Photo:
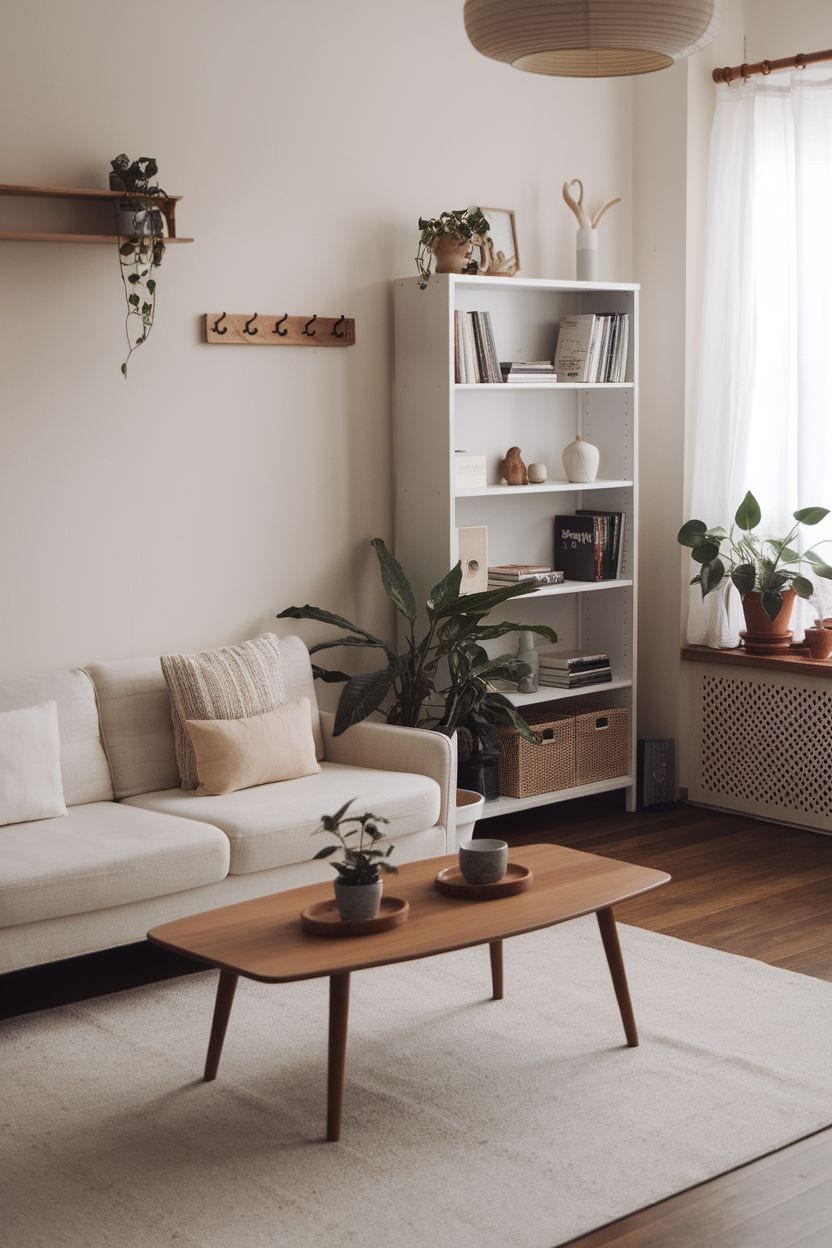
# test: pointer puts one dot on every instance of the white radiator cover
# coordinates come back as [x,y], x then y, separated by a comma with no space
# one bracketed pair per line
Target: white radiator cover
[761,743]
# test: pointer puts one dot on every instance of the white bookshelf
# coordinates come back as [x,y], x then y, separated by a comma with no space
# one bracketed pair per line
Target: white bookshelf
[434,416]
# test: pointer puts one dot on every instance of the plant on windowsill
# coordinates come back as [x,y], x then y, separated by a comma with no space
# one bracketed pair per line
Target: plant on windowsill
[359,884]
[140,228]
[766,571]
[449,240]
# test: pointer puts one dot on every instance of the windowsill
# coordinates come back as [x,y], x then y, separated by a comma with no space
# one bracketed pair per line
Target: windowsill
[798,664]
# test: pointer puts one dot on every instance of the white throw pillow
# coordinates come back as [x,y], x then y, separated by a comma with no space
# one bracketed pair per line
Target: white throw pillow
[30,765]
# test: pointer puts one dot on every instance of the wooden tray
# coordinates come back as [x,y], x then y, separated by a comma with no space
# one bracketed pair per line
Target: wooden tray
[451,881]
[324,919]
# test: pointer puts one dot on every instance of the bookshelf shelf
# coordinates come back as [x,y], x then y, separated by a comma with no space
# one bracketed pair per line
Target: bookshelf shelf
[512,387]
[434,418]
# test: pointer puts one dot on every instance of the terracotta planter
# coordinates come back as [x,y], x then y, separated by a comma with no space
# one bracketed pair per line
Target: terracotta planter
[762,635]
[819,641]
[451,254]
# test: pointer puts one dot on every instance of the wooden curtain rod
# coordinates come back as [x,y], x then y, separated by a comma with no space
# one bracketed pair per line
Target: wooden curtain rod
[799,61]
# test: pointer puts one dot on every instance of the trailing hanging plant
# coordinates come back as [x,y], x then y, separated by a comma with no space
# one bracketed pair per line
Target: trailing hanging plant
[463,224]
[140,246]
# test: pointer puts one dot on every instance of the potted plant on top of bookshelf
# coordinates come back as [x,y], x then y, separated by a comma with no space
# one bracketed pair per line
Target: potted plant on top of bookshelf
[766,571]
[141,230]
[449,240]
[409,688]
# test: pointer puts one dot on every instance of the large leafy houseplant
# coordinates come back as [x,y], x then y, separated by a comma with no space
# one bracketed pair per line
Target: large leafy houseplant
[140,244]
[441,680]
[766,566]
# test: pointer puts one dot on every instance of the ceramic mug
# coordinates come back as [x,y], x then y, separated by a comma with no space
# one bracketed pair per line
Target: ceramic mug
[483,861]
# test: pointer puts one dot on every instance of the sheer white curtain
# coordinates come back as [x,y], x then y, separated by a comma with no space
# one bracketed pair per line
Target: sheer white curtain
[763,418]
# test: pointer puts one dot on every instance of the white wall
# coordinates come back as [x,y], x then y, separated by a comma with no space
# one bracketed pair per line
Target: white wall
[184,508]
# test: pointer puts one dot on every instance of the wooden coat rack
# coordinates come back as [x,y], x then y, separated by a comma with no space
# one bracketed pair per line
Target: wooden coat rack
[275,330]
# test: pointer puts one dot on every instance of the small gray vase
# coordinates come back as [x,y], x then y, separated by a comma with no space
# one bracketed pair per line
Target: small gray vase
[358,901]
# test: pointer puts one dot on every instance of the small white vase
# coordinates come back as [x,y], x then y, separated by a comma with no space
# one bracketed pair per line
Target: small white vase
[581,460]
[358,901]
[537,474]
[586,263]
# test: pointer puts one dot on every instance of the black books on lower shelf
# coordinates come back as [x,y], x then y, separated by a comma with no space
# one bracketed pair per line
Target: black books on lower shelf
[475,354]
[573,669]
[588,545]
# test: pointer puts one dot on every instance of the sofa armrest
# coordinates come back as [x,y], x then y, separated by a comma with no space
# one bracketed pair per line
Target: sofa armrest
[391,748]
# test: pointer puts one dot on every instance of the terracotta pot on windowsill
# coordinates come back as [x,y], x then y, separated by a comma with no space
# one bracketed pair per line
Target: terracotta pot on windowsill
[819,641]
[763,635]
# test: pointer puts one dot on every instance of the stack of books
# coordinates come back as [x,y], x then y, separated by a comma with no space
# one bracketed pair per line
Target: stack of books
[589,545]
[523,574]
[475,355]
[573,669]
[593,348]
[525,372]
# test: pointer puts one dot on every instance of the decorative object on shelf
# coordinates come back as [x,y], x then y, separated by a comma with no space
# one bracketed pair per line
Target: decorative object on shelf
[483,861]
[526,652]
[516,879]
[587,237]
[766,571]
[472,548]
[499,253]
[590,38]
[277,329]
[408,684]
[470,471]
[581,460]
[140,227]
[537,474]
[469,804]
[512,469]
[449,240]
[359,885]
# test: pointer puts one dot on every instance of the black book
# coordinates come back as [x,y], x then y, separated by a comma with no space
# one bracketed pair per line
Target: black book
[578,547]
[614,531]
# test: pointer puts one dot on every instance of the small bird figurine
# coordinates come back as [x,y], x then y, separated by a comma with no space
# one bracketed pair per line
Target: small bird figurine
[512,469]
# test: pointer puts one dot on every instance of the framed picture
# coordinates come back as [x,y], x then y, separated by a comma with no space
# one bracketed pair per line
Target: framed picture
[501,256]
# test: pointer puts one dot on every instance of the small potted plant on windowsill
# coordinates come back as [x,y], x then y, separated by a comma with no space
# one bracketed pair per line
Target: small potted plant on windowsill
[359,885]
[766,571]
[819,635]
[449,240]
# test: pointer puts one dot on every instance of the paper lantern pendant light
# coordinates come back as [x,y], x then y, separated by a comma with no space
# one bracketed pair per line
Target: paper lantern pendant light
[590,38]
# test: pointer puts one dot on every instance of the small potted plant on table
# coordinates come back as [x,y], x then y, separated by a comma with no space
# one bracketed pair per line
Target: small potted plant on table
[359,885]
[766,571]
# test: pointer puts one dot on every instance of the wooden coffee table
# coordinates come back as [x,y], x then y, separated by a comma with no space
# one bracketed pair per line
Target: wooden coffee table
[263,939]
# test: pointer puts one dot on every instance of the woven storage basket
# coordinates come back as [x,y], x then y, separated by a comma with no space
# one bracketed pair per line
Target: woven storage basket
[602,743]
[527,770]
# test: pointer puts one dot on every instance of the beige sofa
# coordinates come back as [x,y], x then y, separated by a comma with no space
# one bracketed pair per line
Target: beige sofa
[135,849]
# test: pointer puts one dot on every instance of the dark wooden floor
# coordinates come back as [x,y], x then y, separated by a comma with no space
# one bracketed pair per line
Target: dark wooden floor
[740,885]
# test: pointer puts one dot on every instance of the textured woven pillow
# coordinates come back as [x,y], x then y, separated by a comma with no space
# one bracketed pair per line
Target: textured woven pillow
[232,682]
[30,765]
[234,754]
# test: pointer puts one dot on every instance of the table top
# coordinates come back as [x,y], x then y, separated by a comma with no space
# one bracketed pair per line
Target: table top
[263,938]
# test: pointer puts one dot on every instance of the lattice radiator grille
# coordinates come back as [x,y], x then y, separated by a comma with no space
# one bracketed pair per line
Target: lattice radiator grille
[763,744]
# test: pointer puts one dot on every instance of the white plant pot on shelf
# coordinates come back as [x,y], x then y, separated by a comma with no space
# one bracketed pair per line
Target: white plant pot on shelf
[468,810]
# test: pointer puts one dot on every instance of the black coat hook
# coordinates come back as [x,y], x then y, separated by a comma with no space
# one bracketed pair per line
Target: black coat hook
[277,324]
[335,333]
[247,327]
[215,328]
[310,333]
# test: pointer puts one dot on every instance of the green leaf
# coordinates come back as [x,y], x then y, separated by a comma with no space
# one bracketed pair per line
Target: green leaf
[772,602]
[339,814]
[126,249]
[802,586]
[396,585]
[326,852]
[480,604]
[712,573]
[337,621]
[705,552]
[447,590]
[124,370]
[132,278]
[691,533]
[134,300]
[821,568]
[361,696]
[151,284]
[748,513]
[744,577]
[811,515]
[489,632]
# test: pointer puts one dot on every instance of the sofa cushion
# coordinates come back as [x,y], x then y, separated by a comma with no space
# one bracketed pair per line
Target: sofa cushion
[84,771]
[272,825]
[100,855]
[136,723]
[30,765]
[234,754]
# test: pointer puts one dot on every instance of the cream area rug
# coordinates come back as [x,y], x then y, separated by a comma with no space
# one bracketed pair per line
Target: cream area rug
[467,1123]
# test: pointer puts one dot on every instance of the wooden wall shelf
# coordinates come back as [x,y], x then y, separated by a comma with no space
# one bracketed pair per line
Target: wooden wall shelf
[167,204]
[796,664]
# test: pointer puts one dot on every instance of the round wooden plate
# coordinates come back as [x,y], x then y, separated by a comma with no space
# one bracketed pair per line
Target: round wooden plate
[451,881]
[324,918]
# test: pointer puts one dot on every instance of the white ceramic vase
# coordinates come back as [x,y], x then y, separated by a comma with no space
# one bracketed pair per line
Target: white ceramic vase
[358,901]
[537,474]
[586,262]
[581,460]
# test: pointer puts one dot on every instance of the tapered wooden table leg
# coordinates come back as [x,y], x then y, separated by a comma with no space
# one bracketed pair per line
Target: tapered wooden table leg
[222,1009]
[609,935]
[496,950]
[339,1007]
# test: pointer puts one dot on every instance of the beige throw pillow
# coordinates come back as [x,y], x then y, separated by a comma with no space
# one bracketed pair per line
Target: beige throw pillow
[233,682]
[30,765]
[236,754]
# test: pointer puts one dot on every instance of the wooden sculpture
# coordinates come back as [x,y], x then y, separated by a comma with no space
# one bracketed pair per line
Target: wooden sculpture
[512,469]
[577,205]
[494,263]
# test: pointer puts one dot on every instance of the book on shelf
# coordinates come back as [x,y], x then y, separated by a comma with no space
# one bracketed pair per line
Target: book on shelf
[475,352]
[575,680]
[528,372]
[585,546]
[496,580]
[517,570]
[592,347]
[571,660]
[613,539]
